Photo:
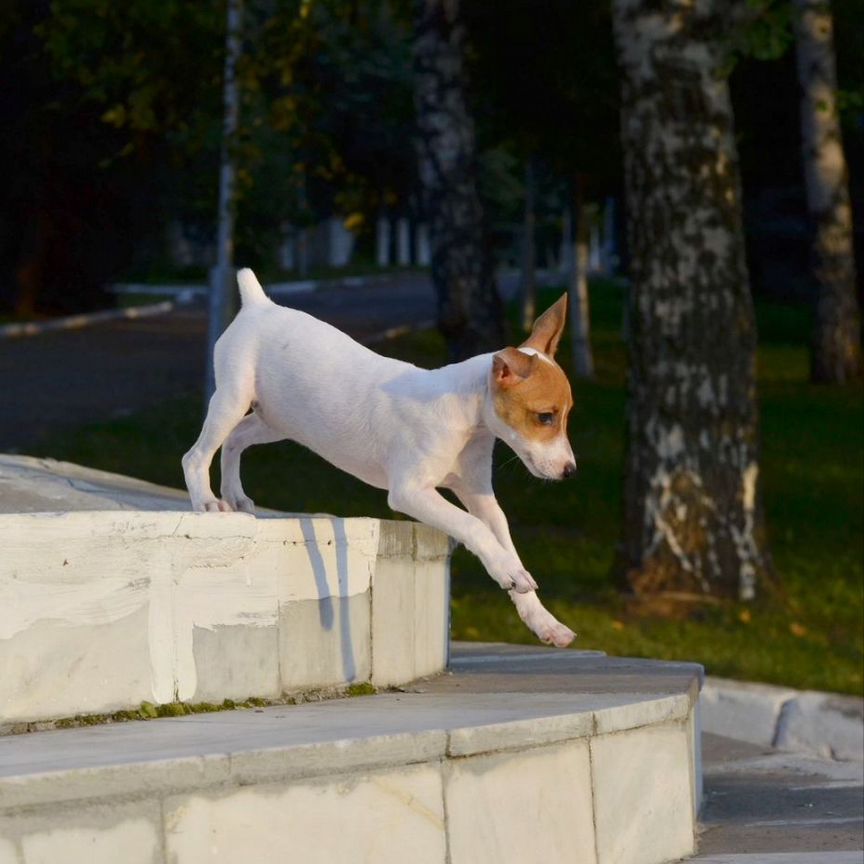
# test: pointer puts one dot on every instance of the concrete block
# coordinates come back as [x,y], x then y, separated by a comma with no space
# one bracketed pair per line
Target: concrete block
[828,726]
[110,609]
[393,630]
[535,807]
[410,603]
[233,662]
[643,797]
[382,818]
[100,834]
[324,643]
[225,630]
[8,855]
[746,712]
[48,670]
[132,842]
[317,556]
[431,615]
[430,544]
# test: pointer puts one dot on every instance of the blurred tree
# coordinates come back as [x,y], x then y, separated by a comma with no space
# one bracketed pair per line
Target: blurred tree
[327,99]
[693,511]
[64,222]
[470,314]
[549,85]
[836,345]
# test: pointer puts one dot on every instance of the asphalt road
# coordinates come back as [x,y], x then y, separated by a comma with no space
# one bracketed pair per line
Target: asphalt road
[65,379]
[767,807]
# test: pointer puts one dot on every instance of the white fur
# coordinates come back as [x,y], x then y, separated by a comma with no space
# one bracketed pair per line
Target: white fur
[395,426]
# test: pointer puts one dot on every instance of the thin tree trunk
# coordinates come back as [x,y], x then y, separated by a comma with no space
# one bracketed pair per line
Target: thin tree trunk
[529,251]
[470,313]
[836,346]
[580,326]
[222,288]
[693,515]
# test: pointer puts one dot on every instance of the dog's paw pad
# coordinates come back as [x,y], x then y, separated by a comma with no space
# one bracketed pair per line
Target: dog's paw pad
[217,507]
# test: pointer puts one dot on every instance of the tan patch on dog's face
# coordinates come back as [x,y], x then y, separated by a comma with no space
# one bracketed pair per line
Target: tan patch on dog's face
[534,399]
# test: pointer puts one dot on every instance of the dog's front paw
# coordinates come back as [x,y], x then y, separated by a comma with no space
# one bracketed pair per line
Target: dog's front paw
[557,634]
[215,506]
[512,576]
[242,504]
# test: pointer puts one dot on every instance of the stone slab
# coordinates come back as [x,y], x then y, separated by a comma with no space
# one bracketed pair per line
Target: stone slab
[492,800]
[465,768]
[646,775]
[106,609]
[384,817]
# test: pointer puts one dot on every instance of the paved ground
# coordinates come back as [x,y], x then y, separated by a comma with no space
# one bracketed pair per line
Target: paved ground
[61,380]
[766,807]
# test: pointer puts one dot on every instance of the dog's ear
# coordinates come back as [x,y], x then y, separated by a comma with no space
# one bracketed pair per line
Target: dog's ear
[511,366]
[549,328]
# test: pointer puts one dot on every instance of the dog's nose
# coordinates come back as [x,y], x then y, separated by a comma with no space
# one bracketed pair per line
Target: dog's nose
[569,471]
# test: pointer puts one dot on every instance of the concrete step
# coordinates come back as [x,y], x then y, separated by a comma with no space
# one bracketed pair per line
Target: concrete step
[114,593]
[514,755]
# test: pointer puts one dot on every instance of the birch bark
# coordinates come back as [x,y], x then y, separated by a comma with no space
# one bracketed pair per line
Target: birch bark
[836,346]
[470,313]
[693,515]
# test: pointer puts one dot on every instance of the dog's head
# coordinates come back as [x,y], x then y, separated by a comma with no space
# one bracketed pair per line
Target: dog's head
[530,398]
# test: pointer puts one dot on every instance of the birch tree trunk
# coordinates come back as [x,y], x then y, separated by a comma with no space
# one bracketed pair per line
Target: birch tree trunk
[836,346]
[470,313]
[693,515]
[580,326]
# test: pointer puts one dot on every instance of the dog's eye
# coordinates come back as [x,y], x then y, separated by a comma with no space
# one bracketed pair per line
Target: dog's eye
[546,418]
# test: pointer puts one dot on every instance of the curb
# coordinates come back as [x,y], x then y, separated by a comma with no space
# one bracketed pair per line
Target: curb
[825,725]
[298,286]
[75,322]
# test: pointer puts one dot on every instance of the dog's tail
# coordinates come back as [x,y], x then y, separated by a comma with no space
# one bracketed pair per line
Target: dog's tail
[250,288]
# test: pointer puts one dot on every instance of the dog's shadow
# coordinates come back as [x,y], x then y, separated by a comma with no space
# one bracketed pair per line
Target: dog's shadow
[329,612]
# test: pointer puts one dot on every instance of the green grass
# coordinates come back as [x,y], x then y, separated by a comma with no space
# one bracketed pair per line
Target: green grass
[810,635]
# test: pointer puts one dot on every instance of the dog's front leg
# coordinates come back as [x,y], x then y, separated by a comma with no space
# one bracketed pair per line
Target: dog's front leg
[539,619]
[428,506]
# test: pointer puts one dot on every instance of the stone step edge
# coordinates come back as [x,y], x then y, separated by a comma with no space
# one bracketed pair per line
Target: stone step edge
[341,756]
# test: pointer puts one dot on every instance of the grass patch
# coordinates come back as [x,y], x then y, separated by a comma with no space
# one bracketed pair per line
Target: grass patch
[813,467]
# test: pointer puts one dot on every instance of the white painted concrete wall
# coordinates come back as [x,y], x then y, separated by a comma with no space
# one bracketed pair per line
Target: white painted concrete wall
[104,610]
[623,797]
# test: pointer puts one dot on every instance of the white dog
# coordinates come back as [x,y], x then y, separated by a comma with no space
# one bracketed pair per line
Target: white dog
[407,430]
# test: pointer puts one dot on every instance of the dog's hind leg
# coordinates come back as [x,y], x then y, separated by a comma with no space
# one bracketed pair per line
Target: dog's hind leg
[249,431]
[227,407]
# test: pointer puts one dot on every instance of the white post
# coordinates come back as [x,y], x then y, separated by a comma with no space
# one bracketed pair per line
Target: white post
[382,241]
[222,275]
[403,239]
[423,252]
